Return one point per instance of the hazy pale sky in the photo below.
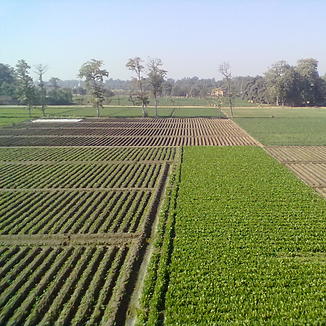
(191, 37)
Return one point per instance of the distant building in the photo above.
(217, 92)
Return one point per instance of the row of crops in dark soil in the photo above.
(63, 285)
(87, 154)
(126, 132)
(215, 140)
(74, 226)
(136, 123)
(202, 128)
(143, 132)
(53, 212)
(248, 245)
(79, 175)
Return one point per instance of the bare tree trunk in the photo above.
(230, 97)
(144, 110)
(156, 106)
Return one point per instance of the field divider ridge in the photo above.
(27, 162)
(77, 189)
(66, 239)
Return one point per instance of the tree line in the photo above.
(18, 87)
(281, 84)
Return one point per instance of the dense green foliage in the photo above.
(94, 75)
(157, 275)
(284, 84)
(276, 126)
(249, 243)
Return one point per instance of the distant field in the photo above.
(174, 101)
(287, 126)
(13, 115)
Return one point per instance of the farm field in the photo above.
(129, 132)
(249, 252)
(13, 115)
(307, 162)
(73, 230)
(123, 100)
(74, 221)
(287, 126)
(77, 221)
(119, 106)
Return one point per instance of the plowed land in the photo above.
(307, 162)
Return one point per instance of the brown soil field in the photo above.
(307, 162)
(130, 132)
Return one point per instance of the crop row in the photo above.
(87, 154)
(50, 176)
(313, 173)
(73, 211)
(135, 123)
(298, 153)
(220, 128)
(129, 141)
(60, 285)
(157, 274)
(249, 252)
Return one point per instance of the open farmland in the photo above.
(79, 223)
(284, 126)
(13, 115)
(74, 219)
(73, 229)
(249, 252)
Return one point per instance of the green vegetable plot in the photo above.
(249, 245)
(89, 154)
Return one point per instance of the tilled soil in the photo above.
(307, 162)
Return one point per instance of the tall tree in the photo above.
(310, 82)
(54, 82)
(40, 70)
(281, 80)
(25, 85)
(135, 65)
(7, 81)
(156, 76)
(225, 70)
(94, 77)
(256, 90)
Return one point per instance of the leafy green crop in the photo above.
(249, 244)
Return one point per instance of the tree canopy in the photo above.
(94, 76)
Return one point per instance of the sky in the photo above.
(192, 38)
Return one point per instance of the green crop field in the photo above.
(287, 126)
(73, 223)
(246, 253)
(99, 213)
(13, 115)
(171, 101)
